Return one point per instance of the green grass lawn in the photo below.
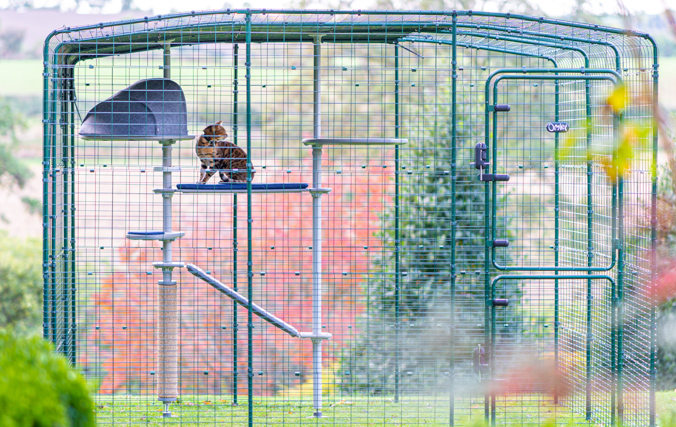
(347, 411)
(666, 408)
(535, 410)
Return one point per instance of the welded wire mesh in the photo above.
(410, 270)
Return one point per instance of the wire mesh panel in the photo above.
(558, 190)
(283, 218)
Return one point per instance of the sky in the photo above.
(550, 7)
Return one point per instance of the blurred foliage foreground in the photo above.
(38, 387)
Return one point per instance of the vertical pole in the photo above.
(249, 230)
(46, 164)
(167, 319)
(53, 216)
(454, 95)
(63, 95)
(489, 249)
(317, 235)
(590, 255)
(653, 246)
(166, 66)
(614, 296)
(620, 301)
(487, 263)
(235, 83)
(397, 265)
(557, 190)
(71, 212)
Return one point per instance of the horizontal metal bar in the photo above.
(125, 138)
(354, 141)
(552, 277)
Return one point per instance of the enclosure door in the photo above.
(557, 210)
(552, 218)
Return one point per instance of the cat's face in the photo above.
(215, 131)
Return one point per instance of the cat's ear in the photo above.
(219, 122)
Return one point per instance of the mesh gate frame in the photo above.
(59, 187)
(535, 272)
(493, 145)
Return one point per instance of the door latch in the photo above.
(480, 157)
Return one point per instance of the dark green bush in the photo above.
(38, 387)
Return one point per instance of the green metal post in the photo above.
(53, 213)
(397, 266)
(68, 128)
(557, 162)
(71, 211)
(46, 164)
(653, 243)
(454, 95)
(487, 266)
(235, 326)
(249, 229)
(590, 249)
(489, 244)
(616, 306)
(62, 95)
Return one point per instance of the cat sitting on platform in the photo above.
(217, 154)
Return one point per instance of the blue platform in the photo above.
(145, 233)
(154, 235)
(237, 187)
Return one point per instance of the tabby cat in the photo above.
(215, 153)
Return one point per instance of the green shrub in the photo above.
(39, 388)
(20, 284)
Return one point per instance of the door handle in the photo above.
(494, 177)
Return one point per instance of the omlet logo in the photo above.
(557, 127)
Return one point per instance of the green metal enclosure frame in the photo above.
(506, 34)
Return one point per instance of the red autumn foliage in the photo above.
(665, 285)
(532, 375)
(121, 339)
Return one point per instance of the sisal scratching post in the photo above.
(168, 345)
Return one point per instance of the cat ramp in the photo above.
(255, 308)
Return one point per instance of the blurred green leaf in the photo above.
(38, 388)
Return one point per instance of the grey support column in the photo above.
(317, 235)
(167, 388)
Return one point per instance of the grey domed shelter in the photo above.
(151, 109)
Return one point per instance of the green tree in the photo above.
(20, 284)
(13, 172)
(425, 330)
(38, 388)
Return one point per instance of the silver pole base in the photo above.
(318, 414)
(166, 413)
